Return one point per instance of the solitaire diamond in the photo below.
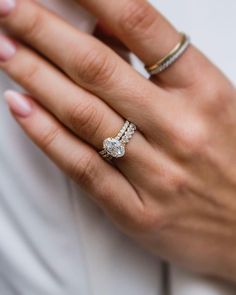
(114, 147)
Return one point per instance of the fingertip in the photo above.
(7, 48)
(6, 7)
(19, 104)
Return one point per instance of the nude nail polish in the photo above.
(18, 103)
(6, 6)
(7, 48)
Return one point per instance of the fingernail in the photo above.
(18, 103)
(6, 6)
(7, 48)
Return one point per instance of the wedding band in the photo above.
(114, 147)
(171, 57)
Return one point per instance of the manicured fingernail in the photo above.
(18, 103)
(7, 48)
(6, 6)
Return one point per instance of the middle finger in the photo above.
(82, 112)
(88, 62)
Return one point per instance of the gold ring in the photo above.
(171, 57)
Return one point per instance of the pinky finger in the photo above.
(107, 185)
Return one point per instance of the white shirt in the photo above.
(53, 239)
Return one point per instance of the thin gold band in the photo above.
(171, 57)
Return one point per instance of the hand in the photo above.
(175, 190)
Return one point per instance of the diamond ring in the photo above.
(171, 57)
(114, 147)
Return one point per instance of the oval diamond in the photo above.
(114, 147)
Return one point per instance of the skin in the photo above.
(174, 192)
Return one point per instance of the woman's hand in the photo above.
(175, 189)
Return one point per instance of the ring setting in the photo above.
(115, 147)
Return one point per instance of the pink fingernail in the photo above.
(7, 48)
(6, 6)
(18, 103)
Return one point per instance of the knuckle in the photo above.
(193, 147)
(137, 17)
(145, 221)
(34, 25)
(95, 68)
(84, 170)
(191, 140)
(23, 69)
(176, 183)
(154, 218)
(86, 120)
(217, 102)
(48, 137)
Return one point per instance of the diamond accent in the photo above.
(171, 57)
(114, 147)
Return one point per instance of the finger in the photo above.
(148, 34)
(105, 184)
(85, 114)
(92, 65)
(112, 41)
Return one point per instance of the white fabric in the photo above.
(53, 239)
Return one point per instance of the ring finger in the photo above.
(83, 113)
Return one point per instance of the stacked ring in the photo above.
(114, 147)
(171, 57)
